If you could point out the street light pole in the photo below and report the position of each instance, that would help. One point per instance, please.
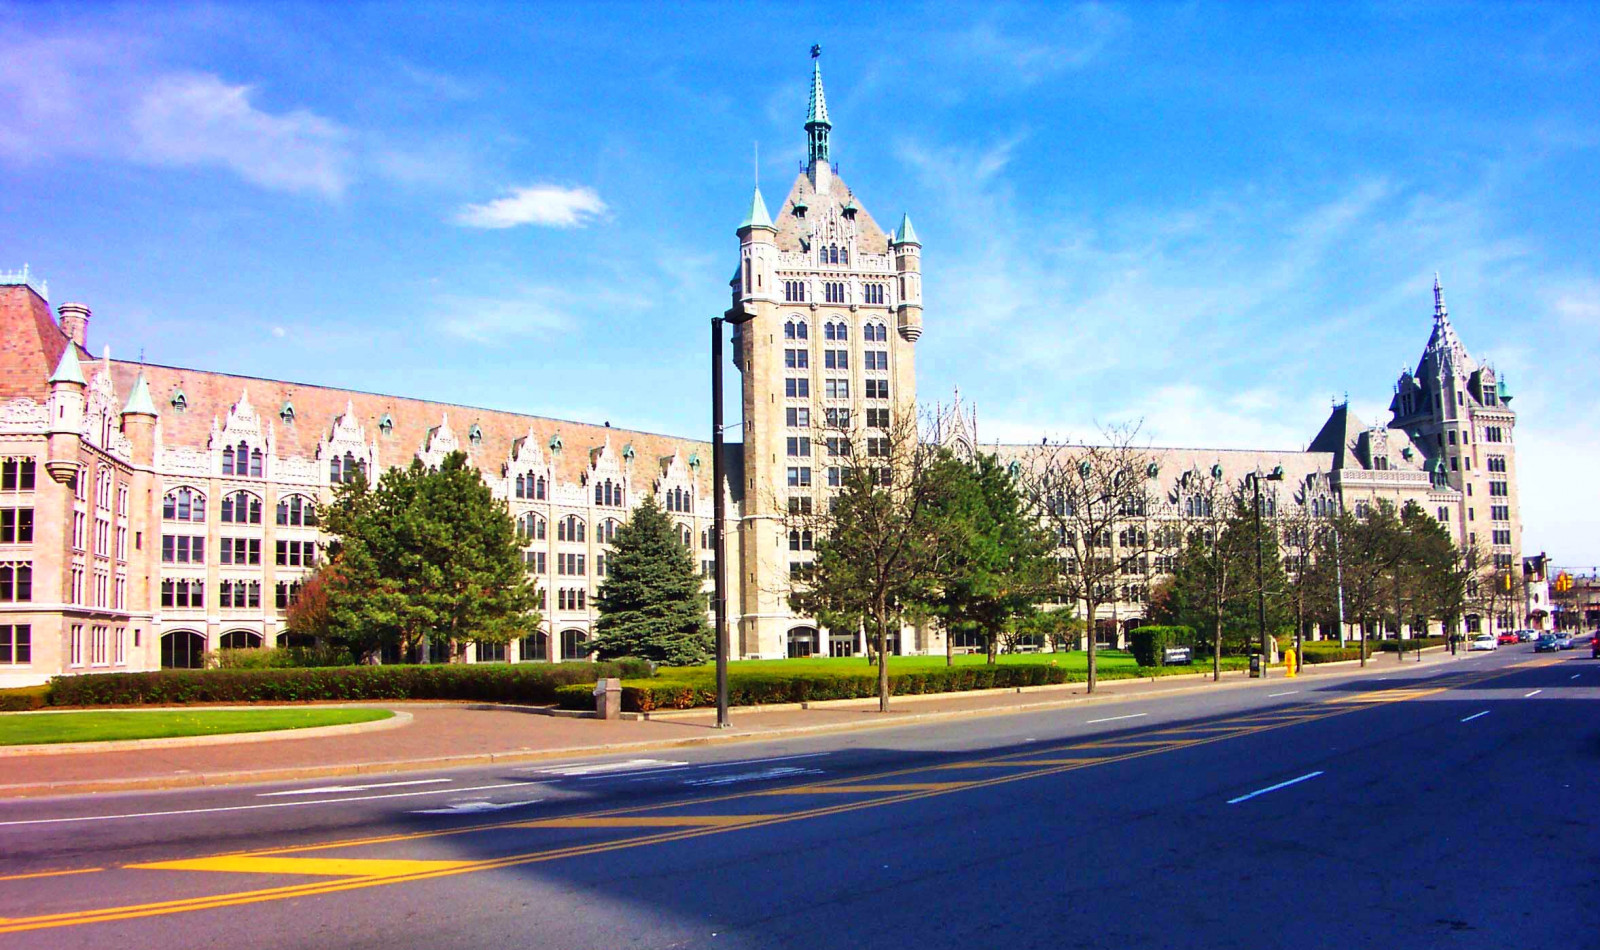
(719, 516)
(1261, 580)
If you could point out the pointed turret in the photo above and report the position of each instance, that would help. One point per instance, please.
(907, 234)
(1445, 351)
(139, 401)
(68, 370)
(818, 165)
(757, 216)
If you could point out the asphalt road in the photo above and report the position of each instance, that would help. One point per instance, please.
(1449, 805)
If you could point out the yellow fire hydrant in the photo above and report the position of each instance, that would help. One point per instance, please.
(1291, 664)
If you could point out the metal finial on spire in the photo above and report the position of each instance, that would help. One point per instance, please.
(1439, 310)
(816, 50)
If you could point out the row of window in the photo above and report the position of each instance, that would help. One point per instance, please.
(17, 474)
(242, 461)
(16, 643)
(241, 507)
(836, 331)
(16, 525)
(607, 493)
(16, 582)
(106, 645)
(191, 593)
(530, 487)
(572, 598)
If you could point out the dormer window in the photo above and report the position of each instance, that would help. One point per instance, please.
(475, 435)
(386, 424)
(287, 413)
(180, 402)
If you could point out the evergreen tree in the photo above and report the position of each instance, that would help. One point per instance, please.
(996, 563)
(429, 554)
(651, 605)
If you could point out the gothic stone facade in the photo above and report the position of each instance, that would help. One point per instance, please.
(149, 514)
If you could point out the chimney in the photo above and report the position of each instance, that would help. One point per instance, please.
(75, 321)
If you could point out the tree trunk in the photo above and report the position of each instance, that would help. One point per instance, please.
(949, 647)
(1363, 643)
(1216, 648)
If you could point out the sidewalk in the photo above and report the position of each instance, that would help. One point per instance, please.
(442, 736)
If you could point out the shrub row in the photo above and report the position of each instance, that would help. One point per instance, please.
(24, 698)
(1149, 644)
(1405, 646)
(761, 689)
(534, 684)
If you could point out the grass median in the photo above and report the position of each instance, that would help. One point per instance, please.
(52, 728)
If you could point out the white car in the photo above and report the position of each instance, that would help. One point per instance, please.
(1483, 641)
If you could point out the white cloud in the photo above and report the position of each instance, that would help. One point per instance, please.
(198, 119)
(528, 311)
(546, 205)
(1031, 52)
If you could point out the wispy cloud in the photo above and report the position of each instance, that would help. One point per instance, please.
(523, 312)
(546, 205)
(102, 96)
(199, 119)
(1030, 52)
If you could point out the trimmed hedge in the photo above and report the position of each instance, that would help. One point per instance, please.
(534, 684)
(1405, 646)
(1149, 644)
(24, 698)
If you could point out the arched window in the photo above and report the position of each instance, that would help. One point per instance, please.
(570, 528)
(686, 536)
(297, 511)
(227, 460)
(534, 648)
(795, 330)
(335, 470)
(844, 256)
(574, 645)
(241, 508)
(183, 504)
(256, 459)
(183, 649)
(530, 527)
(538, 489)
(608, 531)
(241, 640)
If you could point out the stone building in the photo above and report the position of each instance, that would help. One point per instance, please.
(150, 514)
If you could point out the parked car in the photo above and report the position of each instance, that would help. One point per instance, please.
(1564, 640)
(1508, 637)
(1527, 636)
(1483, 641)
(1546, 644)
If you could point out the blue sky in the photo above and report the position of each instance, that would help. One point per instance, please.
(1215, 217)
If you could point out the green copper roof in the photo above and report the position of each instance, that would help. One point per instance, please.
(139, 401)
(68, 371)
(818, 113)
(907, 234)
(758, 217)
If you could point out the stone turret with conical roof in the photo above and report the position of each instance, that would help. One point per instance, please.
(908, 264)
(66, 407)
(139, 418)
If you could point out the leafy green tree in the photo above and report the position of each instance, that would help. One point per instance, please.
(426, 555)
(879, 553)
(997, 565)
(651, 603)
(1213, 575)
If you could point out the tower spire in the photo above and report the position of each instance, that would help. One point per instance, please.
(1439, 311)
(818, 126)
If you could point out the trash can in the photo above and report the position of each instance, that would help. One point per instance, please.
(1256, 667)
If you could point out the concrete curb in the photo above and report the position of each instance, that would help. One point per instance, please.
(214, 779)
(395, 721)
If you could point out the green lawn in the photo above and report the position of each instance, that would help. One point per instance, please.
(40, 728)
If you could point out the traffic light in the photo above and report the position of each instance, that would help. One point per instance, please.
(1563, 582)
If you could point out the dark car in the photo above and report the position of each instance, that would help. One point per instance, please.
(1546, 644)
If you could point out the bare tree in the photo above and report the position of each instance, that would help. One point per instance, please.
(873, 533)
(1087, 495)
